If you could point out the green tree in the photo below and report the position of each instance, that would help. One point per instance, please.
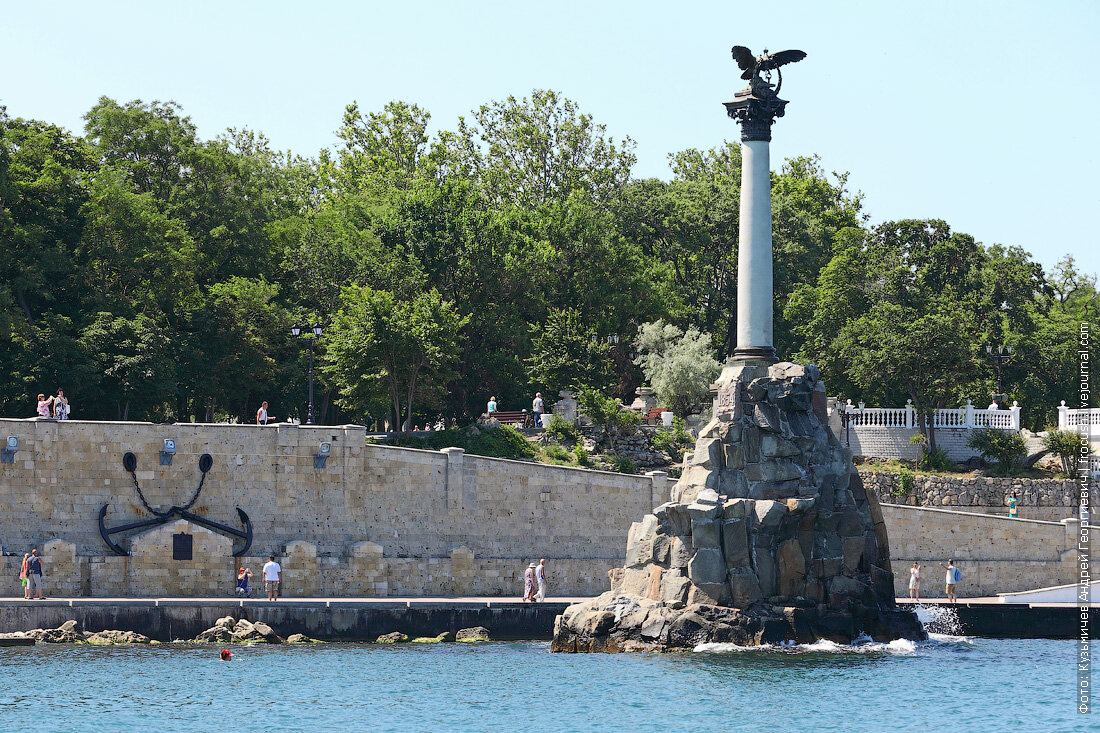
(381, 349)
(133, 356)
(567, 354)
(679, 365)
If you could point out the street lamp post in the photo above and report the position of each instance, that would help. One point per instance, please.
(847, 415)
(312, 334)
(1000, 354)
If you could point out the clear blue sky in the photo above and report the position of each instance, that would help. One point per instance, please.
(980, 113)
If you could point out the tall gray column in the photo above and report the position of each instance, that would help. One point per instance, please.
(755, 107)
(754, 255)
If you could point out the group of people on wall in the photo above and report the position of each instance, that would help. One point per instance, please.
(55, 406)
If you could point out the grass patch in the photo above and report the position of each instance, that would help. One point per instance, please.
(502, 441)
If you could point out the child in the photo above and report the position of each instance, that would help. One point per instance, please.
(23, 577)
(243, 588)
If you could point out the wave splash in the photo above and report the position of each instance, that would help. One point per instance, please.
(862, 645)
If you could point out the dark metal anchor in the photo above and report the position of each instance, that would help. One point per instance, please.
(129, 462)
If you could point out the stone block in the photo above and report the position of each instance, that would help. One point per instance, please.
(744, 587)
(852, 549)
(791, 567)
(704, 533)
(775, 446)
(779, 469)
(769, 514)
(735, 508)
(767, 417)
(733, 483)
(680, 551)
(734, 456)
(707, 453)
(735, 542)
(674, 588)
(711, 594)
(707, 566)
(773, 490)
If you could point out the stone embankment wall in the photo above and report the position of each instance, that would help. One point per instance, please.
(374, 521)
(995, 554)
(1044, 499)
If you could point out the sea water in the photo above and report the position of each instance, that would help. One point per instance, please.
(949, 683)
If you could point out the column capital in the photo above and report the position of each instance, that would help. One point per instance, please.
(755, 110)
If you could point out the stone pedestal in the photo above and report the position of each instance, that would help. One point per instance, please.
(769, 536)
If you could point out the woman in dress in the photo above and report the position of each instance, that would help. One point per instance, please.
(529, 584)
(914, 582)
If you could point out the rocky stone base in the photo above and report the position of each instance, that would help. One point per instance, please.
(614, 622)
(227, 629)
(68, 633)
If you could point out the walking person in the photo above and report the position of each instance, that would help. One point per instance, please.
(537, 407)
(952, 580)
(914, 582)
(1013, 508)
(261, 415)
(273, 575)
(529, 584)
(540, 578)
(23, 577)
(34, 576)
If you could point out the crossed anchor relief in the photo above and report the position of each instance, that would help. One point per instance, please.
(129, 462)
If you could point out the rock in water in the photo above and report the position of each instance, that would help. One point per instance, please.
(394, 637)
(476, 633)
(769, 536)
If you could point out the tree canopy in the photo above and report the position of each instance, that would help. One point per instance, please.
(155, 274)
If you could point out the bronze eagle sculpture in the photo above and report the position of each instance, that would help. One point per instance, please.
(753, 65)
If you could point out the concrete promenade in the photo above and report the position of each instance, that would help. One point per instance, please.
(365, 619)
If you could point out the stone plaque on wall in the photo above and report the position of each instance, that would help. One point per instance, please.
(182, 546)
(728, 405)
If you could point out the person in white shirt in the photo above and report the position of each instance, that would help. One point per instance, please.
(261, 415)
(537, 407)
(951, 580)
(540, 577)
(273, 574)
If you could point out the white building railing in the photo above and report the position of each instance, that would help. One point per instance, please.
(967, 416)
(1073, 417)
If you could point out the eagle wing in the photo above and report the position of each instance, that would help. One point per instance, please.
(781, 58)
(744, 58)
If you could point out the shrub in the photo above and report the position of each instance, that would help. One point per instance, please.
(936, 460)
(502, 441)
(623, 464)
(906, 481)
(557, 453)
(1065, 444)
(581, 455)
(1006, 447)
(562, 430)
(608, 413)
(670, 439)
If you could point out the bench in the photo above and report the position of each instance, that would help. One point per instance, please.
(508, 417)
(653, 416)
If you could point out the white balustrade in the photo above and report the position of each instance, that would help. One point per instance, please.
(1074, 417)
(966, 417)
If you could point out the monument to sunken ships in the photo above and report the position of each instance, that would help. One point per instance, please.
(769, 535)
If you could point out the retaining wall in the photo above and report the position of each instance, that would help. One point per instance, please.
(1044, 499)
(375, 520)
(994, 553)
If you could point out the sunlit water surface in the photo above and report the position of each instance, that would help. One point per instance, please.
(947, 684)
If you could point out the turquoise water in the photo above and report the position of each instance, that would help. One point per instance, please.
(948, 684)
